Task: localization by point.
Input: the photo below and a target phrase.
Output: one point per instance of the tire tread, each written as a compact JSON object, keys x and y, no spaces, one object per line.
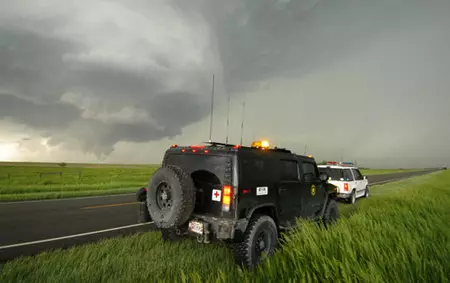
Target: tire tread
{"x":183,"y":211}
{"x":243,"y":248}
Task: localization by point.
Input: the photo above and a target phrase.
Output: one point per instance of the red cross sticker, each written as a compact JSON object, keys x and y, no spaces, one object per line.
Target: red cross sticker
{"x":216,"y":194}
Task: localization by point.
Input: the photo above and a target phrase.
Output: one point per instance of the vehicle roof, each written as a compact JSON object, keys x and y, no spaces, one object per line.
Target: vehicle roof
{"x":337,"y":167}
{"x":222,"y":147}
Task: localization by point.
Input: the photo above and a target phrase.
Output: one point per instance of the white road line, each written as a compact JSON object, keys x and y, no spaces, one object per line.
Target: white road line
{"x":73,"y":236}
{"x":67,"y":198}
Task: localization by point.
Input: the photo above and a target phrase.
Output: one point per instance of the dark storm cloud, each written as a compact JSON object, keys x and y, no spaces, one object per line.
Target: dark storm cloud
{"x":53,"y":116}
{"x":31,"y":63}
{"x":95,"y":87}
{"x":260,"y":40}
{"x":140,"y":70}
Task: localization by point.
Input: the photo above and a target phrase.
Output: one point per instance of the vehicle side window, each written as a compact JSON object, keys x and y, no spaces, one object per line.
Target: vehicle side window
{"x":358,"y":175}
{"x":309,"y":171}
{"x":348,"y":175}
{"x":254,"y":169}
{"x":289,"y":170}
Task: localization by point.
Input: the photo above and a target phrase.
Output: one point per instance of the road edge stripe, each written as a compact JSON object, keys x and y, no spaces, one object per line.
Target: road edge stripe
{"x":67,"y":198}
{"x":72,"y":236}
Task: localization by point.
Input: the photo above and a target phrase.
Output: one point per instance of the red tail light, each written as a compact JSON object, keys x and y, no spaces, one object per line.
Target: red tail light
{"x":346,"y":187}
{"x":226,"y":198}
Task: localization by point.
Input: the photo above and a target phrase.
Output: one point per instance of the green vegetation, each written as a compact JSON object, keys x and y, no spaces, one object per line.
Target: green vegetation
{"x":26,"y":182}
{"x":386,"y":171}
{"x":400,"y":234}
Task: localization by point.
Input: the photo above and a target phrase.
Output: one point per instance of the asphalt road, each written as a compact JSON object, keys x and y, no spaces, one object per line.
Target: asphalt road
{"x":38,"y":221}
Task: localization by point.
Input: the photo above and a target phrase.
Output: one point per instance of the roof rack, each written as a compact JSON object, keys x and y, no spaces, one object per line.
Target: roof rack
{"x":220,"y":144}
{"x":279,"y":149}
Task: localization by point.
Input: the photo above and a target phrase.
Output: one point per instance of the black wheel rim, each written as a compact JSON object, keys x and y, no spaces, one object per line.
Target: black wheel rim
{"x":262,"y":244}
{"x":164,"y":196}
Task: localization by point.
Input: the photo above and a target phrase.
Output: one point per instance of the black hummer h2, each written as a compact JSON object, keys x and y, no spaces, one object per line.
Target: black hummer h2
{"x":240,"y":195}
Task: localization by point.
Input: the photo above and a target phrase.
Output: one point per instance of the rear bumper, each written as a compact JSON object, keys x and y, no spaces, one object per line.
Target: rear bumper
{"x":343,"y":195}
{"x":219,"y":228}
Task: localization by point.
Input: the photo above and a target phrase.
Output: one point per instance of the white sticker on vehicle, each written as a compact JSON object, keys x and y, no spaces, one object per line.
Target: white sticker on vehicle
{"x":216,"y":195}
{"x":261,"y":191}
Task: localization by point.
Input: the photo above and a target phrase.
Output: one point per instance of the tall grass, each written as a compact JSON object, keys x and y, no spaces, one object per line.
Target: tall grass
{"x":399,"y":234}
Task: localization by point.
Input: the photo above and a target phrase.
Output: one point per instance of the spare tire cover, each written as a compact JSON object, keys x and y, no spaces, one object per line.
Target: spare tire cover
{"x":170,"y":197}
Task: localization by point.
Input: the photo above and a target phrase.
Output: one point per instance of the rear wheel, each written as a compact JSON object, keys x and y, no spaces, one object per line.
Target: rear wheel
{"x":141,"y":194}
{"x":331,"y":214}
{"x":170,"y":197}
{"x":259,"y":242}
{"x":352,"y":198}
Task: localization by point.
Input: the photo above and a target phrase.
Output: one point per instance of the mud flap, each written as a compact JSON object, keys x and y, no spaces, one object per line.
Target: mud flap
{"x":144,"y":216}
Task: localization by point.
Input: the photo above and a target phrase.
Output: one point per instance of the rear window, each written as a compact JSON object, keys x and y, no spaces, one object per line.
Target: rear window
{"x":335,"y":174}
{"x":215,"y":164}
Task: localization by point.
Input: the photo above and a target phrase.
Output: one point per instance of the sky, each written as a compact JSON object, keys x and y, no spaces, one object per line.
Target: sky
{"x":119,"y":81}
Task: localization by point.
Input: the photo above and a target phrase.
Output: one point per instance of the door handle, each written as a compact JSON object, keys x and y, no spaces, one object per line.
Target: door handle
{"x":281,"y":189}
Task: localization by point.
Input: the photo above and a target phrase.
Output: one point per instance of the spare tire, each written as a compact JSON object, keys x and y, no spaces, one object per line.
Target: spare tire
{"x":170,"y":197}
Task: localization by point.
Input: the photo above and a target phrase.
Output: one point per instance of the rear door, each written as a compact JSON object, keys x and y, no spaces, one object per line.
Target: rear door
{"x":289,"y":192}
{"x":210,"y":173}
{"x":359,"y":180}
{"x":313,"y":191}
{"x":350,"y":180}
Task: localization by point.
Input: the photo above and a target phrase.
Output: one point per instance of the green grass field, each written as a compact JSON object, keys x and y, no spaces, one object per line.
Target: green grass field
{"x":401,"y":233}
{"x":46,"y":181}
{"x":385,"y":171}
{"x":31,"y":181}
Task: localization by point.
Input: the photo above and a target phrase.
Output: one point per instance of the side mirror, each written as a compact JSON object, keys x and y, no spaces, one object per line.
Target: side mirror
{"x":364,"y":177}
{"x":324,"y":177}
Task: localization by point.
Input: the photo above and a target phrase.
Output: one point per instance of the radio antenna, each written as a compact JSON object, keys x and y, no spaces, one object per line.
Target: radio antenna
{"x":212,"y":107}
{"x":242,"y":123}
{"x":228,"y":117}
